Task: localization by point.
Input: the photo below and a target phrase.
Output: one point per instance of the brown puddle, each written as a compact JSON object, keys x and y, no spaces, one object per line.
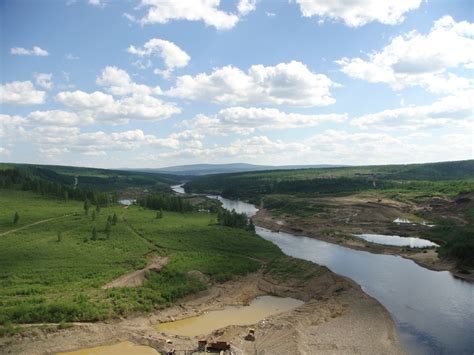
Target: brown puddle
{"x":259,"y":309}
{"x":123,"y":348}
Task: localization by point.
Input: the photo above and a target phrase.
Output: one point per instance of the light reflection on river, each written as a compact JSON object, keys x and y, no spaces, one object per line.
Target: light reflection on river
{"x":434,"y":311}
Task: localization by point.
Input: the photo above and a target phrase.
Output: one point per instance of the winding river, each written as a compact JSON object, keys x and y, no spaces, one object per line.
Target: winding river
{"x":433,"y":311}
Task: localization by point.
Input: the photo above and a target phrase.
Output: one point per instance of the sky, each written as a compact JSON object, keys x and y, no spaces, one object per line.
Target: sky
{"x":155,"y":83}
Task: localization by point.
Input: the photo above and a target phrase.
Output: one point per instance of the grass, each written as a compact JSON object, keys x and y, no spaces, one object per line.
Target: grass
{"x":31,"y":208}
{"x":46,"y":280}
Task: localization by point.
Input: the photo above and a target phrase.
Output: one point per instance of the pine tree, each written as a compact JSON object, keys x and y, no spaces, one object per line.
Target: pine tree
{"x":114,"y":219}
{"x":108,"y":229}
{"x":87,"y":205}
{"x":16,"y":217}
{"x":94,"y":234}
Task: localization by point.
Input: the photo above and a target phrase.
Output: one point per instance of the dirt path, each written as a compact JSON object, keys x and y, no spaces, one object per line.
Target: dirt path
{"x":34,"y":224}
{"x":136,"y":278}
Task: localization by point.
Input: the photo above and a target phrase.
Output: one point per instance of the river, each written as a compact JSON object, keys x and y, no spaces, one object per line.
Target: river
{"x":433,"y":311}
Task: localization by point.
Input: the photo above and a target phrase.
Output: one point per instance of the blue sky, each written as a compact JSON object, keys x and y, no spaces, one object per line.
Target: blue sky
{"x":151,"y":83}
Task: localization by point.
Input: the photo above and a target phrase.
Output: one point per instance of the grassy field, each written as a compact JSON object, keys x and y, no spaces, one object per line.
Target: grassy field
{"x":31,"y":208}
{"x":44,"y":279}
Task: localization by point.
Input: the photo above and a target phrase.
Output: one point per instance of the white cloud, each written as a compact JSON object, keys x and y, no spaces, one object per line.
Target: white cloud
{"x":102,"y":107}
{"x":173,"y":56}
{"x":284,"y":84}
{"x":44,"y":80}
{"x":71,"y":56}
{"x":80,"y":100}
{"x":21,"y":93}
{"x":98,"y":3}
{"x":357,"y":13}
{"x":4,"y":151}
{"x":118,"y":82}
{"x":246,"y":6}
{"x":243,"y":120}
{"x":35,"y":51}
{"x":414,"y":59}
{"x":451,"y":111}
{"x":57,"y":118}
{"x":10,"y":127}
{"x":163,"y":11}
{"x":54,"y":140}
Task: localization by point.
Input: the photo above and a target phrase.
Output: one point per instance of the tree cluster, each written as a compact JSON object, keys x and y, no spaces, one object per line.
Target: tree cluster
{"x":234,"y":219}
{"x":165,"y":202}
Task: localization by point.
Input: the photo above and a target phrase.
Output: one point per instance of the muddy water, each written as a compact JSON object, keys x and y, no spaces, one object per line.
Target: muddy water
{"x":259,"y":309}
{"x":433,"y":311}
{"x":124,"y":348}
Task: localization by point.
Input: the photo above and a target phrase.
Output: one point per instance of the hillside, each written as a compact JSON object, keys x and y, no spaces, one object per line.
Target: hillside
{"x":79,"y":178}
{"x":207,"y":169}
{"x":448,"y":177}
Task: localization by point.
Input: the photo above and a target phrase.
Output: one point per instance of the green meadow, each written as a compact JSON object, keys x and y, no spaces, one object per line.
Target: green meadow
{"x":54,"y":271}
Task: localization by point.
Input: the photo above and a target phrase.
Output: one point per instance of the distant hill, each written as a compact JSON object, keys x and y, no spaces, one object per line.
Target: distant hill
{"x":105,"y":180}
{"x":208,"y":169}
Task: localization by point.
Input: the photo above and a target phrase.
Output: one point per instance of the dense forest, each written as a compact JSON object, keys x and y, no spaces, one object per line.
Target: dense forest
{"x":34,"y":180}
{"x":165,"y":202}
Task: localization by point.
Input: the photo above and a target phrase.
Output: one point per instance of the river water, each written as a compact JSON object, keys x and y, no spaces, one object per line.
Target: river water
{"x":433,"y":311}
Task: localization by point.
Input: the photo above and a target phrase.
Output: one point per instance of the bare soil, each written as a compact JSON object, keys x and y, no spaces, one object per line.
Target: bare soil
{"x":136,"y":278}
{"x":336,"y":318}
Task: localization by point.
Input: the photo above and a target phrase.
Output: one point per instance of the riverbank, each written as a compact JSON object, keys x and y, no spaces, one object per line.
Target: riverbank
{"x":337,"y":316}
{"x":425,"y":258}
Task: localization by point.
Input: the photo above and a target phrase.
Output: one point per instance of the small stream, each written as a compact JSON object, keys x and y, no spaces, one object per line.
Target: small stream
{"x":433,"y":311}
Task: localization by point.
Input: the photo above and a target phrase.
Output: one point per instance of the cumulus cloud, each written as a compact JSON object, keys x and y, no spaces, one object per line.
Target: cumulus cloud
{"x":243,"y":120}
{"x":246,"y":6}
{"x":21,"y":93}
{"x":35,"y":51}
{"x":57,"y":118}
{"x":414,"y":59}
{"x":54,"y":140}
{"x":44,"y":80}
{"x":102,"y":107}
{"x":118,"y":82}
{"x":80,"y":100}
{"x":11,"y":127}
{"x":357,"y":13}
{"x":283,"y":84}
{"x":173,"y":56}
{"x":451,"y":111}
{"x":163,"y":11}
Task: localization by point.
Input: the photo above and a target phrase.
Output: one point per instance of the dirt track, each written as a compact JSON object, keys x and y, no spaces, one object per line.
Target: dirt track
{"x":34,"y":224}
{"x":136,"y":278}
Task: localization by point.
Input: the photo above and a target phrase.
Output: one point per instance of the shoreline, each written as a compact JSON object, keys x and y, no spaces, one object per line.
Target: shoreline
{"x":336,"y":316}
{"x":429,"y":260}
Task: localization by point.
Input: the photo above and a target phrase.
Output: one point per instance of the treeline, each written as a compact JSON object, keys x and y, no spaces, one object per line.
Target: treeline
{"x":23,"y":179}
{"x":248,"y":187}
{"x":165,"y":202}
{"x":234,"y":219}
{"x":457,"y":240}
